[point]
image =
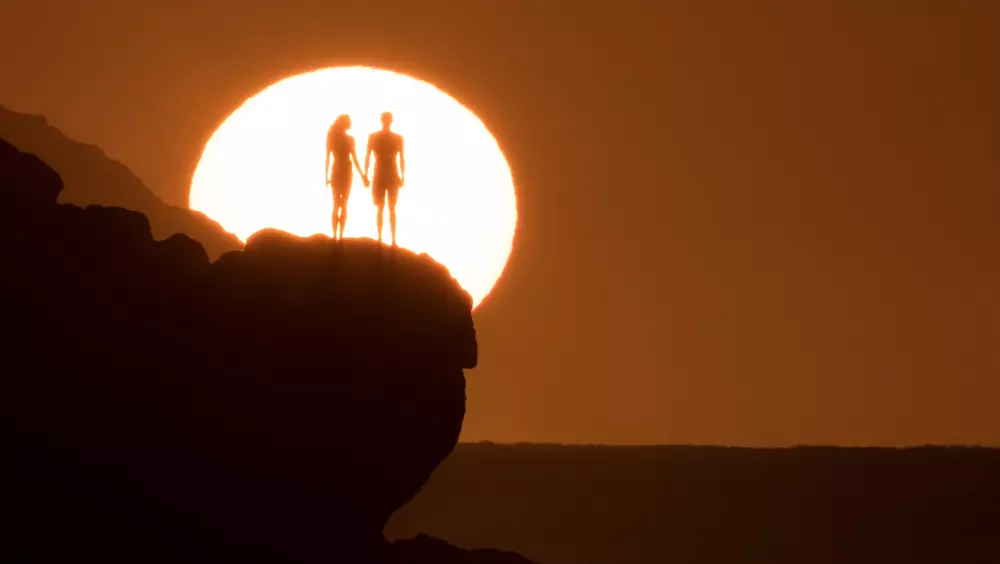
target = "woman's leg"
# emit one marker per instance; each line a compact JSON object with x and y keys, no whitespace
{"x":338,"y":208}
{"x":344,"y":195}
{"x":333,"y":216}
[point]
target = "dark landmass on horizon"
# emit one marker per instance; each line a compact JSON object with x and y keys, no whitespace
{"x":575,"y":504}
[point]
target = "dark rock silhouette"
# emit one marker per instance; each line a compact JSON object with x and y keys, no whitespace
{"x":276,"y":405}
{"x":91,"y":178}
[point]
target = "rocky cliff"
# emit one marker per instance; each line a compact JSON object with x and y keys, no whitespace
{"x":276,"y":405}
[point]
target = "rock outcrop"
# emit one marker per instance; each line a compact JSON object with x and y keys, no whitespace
{"x":276,"y":405}
{"x":91,"y":178}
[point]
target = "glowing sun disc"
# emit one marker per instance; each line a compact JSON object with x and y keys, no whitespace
{"x":263,"y":167}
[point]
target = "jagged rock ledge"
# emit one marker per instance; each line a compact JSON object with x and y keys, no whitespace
{"x":275,"y":405}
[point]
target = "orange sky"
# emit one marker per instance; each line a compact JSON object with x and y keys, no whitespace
{"x":766,"y":224}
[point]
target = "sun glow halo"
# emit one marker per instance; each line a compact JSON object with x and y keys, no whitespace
{"x":263,"y":167}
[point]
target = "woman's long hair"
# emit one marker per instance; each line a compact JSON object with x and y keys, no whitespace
{"x":341,"y":124}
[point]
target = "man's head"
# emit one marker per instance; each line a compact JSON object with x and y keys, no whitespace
{"x":386,"y":120}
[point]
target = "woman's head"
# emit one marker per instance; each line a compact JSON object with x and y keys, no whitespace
{"x":342,"y":123}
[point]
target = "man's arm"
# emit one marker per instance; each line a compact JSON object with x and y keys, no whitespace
{"x":402,"y":163}
{"x":354,"y":157}
{"x":364,"y":175}
{"x":368,"y":155}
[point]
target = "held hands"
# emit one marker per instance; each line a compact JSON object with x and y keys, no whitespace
{"x":364,"y":180}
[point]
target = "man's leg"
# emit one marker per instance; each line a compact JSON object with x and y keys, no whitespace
{"x":378,"y":220}
{"x":378,"y":198}
{"x":393,"y":197}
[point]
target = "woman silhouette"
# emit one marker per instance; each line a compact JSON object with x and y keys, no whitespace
{"x":341,"y":146}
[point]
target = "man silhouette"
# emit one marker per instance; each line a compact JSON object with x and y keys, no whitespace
{"x":388,"y":179}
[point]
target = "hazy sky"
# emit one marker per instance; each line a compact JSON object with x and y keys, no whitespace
{"x":741,"y":222}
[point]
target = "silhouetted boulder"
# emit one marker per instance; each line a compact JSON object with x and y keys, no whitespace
{"x":91,"y":178}
{"x":277,"y":405}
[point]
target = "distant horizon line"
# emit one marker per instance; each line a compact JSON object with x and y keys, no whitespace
{"x":529,"y":444}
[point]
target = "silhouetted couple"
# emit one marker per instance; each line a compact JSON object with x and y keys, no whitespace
{"x":387,"y":147}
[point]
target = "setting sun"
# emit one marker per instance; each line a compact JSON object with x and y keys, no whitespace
{"x":263,"y":167}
